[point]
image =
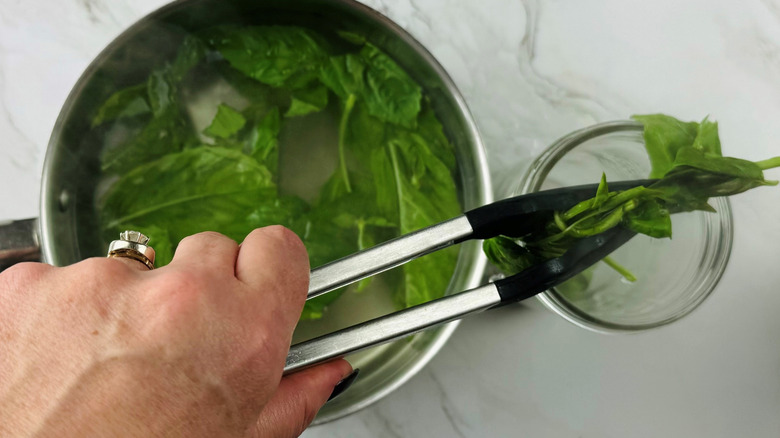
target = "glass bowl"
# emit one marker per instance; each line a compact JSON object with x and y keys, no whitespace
{"x":674,"y":276}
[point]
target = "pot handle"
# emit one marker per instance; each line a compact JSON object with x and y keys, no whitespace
{"x":19,"y":242}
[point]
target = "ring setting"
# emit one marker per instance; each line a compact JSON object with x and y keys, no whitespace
{"x":133,"y":245}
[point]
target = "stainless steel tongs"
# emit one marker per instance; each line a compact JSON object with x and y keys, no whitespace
{"x":513,"y":217}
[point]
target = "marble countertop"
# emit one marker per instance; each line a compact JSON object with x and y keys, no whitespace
{"x":530,"y":71}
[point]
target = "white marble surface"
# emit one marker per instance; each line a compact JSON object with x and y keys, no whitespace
{"x":530,"y":71}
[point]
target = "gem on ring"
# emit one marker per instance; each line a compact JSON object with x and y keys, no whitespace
{"x":133,"y":245}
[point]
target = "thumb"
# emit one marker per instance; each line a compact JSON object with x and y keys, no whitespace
{"x":298,"y":399}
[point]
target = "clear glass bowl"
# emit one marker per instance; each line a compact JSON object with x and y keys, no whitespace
{"x":674,"y":276}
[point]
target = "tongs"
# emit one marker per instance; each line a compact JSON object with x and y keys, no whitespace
{"x":515,"y":216}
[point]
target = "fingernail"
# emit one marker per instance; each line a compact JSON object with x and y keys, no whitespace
{"x":344,"y":383}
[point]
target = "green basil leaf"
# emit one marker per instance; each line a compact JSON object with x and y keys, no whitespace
{"x":167,"y":133}
{"x":707,"y":139}
{"x":380,"y":84}
{"x":264,"y":140}
{"x":425,"y":195}
{"x":344,"y":75}
{"x":307,"y":100}
{"x":169,"y":130}
{"x":429,"y":127}
{"x":577,"y":287}
{"x":602,"y":193}
{"x":185,"y":193}
{"x":280,"y":56}
{"x":695,"y":158}
{"x":390,"y":94}
{"x":649,"y":218}
{"x":509,"y":257}
{"x":352,"y":37}
{"x":664,"y":136}
{"x":385,"y":185}
{"x":125,"y":103}
{"x":698,"y":176}
{"x":226,"y":122}
{"x":163,"y":84}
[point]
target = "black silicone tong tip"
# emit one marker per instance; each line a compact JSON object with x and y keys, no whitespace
{"x":523,"y":214}
{"x":541,"y":277}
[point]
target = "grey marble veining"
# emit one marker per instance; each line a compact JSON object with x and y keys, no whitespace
{"x":531,"y":71}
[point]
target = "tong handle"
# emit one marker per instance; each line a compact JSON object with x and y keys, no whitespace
{"x":390,"y":327}
{"x":388,"y":255}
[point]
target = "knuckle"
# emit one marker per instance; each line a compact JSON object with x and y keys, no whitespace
{"x":20,"y":276}
{"x":281,"y":236}
{"x":98,"y":278}
{"x":178,"y":294}
{"x":188,"y":240}
{"x":26,"y":270}
{"x":179,"y":283}
{"x":100,"y":273}
{"x":206,"y":238}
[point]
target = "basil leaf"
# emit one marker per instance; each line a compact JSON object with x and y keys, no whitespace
{"x":425,"y":195}
{"x":226,"y":122}
{"x":185,"y":193}
{"x":264,"y":140}
{"x":385,"y":185}
{"x":664,"y":136}
{"x":280,"y":56}
{"x":163,"y":84}
{"x":707,"y":139}
{"x":325,"y":241}
{"x":169,"y":130}
{"x":344,"y":75}
{"x":692,"y":157}
{"x":429,"y":127}
{"x":129,"y":102}
{"x":190,"y":53}
{"x":507,"y":255}
{"x":602,"y":193}
{"x":389,"y":93}
{"x":576,"y":288}
{"x":311,"y":99}
{"x":697,"y":176}
{"x":650,"y":219}
{"x":352,"y":37}
{"x":364,"y":134}
{"x":377,"y":81}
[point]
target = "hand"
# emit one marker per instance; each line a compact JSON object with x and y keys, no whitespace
{"x":106,"y":347}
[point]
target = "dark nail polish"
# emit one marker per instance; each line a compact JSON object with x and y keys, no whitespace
{"x":345,"y":383}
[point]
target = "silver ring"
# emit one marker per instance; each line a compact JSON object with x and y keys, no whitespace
{"x":132,"y":245}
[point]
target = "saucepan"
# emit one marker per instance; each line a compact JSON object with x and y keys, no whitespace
{"x":68,"y":229}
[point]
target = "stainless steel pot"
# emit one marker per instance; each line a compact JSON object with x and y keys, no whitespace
{"x":68,"y":229}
